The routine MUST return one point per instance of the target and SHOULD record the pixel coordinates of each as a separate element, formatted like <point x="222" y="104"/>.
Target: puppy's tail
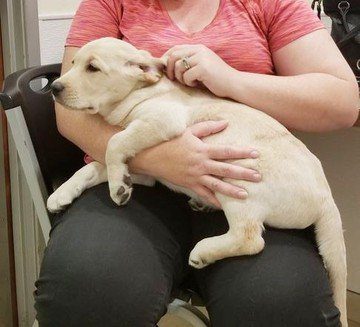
<point x="330" y="240"/>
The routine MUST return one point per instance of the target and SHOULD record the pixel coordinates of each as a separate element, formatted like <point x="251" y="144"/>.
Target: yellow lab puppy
<point x="125" y="86"/>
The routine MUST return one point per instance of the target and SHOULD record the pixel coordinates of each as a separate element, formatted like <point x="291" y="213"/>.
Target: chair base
<point x="188" y="313"/>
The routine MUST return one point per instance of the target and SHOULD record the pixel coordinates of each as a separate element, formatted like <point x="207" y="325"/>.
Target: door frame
<point x="6" y="210"/>
<point x="21" y="49"/>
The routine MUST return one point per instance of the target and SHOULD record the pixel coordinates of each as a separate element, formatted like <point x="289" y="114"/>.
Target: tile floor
<point x="172" y="321"/>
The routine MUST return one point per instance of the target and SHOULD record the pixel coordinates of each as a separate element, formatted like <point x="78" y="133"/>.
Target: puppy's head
<point x="104" y="72"/>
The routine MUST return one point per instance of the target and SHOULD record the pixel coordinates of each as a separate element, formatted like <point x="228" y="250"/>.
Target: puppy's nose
<point x="56" y="88"/>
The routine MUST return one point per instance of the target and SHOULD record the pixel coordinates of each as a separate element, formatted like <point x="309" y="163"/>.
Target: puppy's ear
<point x="148" y="69"/>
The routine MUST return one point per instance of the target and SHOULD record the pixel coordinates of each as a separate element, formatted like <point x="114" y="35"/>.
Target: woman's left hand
<point x="206" y="67"/>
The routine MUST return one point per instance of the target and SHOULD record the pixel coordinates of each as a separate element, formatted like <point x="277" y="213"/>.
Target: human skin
<point x="311" y="93"/>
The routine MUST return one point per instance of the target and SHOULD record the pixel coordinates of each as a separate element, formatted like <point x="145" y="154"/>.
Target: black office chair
<point x="48" y="159"/>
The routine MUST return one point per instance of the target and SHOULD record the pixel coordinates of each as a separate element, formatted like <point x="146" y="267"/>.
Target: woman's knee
<point x="99" y="272"/>
<point x="80" y="285"/>
<point x="286" y="285"/>
<point x="274" y="305"/>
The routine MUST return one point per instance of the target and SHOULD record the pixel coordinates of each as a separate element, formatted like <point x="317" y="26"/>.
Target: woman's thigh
<point x="285" y="285"/>
<point x="111" y="266"/>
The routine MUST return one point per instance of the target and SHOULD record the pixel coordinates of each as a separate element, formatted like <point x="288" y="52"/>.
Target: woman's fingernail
<point x="242" y="194"/>
<point x="254" y="154"/>
<point x="257" y="177"/>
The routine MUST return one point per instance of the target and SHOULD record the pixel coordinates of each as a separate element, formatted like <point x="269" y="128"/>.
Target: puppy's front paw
<point x="58" y="201"/>
<point x="121" y="192"/>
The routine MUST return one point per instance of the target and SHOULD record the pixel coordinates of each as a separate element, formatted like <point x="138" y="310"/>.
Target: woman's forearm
<point x="310" y="102"/>
<point x="92" y="134"/>
<point x="89" y="132"/>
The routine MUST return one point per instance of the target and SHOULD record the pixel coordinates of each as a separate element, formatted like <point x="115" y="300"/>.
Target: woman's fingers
<point x="207" y="196"/>
<point x="207" y="128"/>
<point x="174" y="64"/>
<point x="227" y="170"/>
<point x="188" y="75"/>
<point x="191" y="77"/>
<point x="217" y="185"/>
<point x="223" y="152"/>
<point x="179" y="71"/>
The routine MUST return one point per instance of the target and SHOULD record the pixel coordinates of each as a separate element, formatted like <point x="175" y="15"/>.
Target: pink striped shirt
<point x="244" y="33"/>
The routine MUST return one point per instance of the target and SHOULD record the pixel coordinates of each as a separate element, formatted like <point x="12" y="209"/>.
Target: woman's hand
<point x="189" y="162"/>
<point x="206" y="68"/>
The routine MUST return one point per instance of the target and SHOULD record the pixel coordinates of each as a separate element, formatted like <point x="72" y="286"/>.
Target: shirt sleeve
<point x="95" y="19"/>
<point x="288" y="20"/>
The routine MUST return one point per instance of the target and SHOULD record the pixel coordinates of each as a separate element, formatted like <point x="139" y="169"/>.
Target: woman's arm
<point x="315" y="89"/>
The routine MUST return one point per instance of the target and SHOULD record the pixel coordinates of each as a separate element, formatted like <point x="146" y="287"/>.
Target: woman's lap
<point x="109" y="266"/>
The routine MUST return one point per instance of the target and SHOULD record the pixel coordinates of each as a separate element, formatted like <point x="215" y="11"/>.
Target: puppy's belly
<point x="292" y="193"/>
<point x="293" y="189"/>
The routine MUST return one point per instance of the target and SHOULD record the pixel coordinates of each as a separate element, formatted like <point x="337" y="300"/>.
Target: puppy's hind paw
<point x="197" y="261"/>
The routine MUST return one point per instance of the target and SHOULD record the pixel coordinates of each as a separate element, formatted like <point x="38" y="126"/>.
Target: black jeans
<point x="108" y="266"/>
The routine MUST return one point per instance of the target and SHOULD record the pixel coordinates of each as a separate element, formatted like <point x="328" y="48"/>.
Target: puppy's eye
<point x="92" y="69"/>
<point x="144" y="68"/>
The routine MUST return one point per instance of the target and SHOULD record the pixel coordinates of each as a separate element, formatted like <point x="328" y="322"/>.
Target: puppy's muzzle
<point x="57" y="88"/>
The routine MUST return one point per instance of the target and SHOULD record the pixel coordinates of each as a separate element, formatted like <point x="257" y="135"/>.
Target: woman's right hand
<point x="189" y="162"/>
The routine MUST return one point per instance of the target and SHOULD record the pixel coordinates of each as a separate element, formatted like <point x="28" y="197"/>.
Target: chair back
<point x="30" y="89"/>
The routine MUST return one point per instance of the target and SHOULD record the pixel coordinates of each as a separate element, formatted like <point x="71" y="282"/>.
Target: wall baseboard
<point x="56" y="16"/>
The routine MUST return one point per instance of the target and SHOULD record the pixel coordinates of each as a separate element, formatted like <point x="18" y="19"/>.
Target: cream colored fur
<point x="130" y="91"/>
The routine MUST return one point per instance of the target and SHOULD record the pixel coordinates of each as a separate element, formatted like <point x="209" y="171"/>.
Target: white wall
<point x="339" y="153"/>
<point x="53" y="33"/>
<point x="54" y="22"/>
<point x="51" y="7"/>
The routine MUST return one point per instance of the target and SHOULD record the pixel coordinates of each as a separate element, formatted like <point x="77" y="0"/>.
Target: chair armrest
<point x="58" y="158"/>
<point x="12" y="97"/>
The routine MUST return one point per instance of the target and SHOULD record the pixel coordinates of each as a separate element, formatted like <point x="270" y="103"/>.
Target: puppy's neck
<point x="122" y="110"/>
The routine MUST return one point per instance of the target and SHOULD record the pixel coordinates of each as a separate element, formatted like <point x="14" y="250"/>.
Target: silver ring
<point x="358" y="64"/>
<point x="344" y="6"/>
<point x="185" y="62"/>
